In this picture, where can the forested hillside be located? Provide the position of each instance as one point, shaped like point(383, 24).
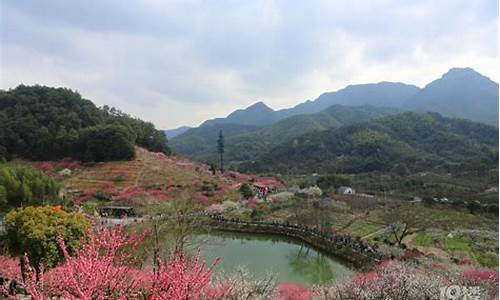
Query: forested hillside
point(412, 141)
point(245, 142)
point(44, 123)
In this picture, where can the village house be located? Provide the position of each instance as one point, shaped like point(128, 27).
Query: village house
point(65, 172)
point(266, 185)
point(345, 190)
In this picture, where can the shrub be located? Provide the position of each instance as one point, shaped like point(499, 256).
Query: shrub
point(332, 181)
point(33, 230)
point(246, 190)
point(215, 209)
point(230, 205)
point(312, 192)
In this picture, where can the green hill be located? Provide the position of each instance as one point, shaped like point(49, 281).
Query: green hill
point(44, 123)
point(417, 141)
point(244, 142)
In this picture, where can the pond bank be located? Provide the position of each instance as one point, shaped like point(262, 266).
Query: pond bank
point(360, 256)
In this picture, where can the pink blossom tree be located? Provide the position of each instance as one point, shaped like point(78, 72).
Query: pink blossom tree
point(104, 268)
point(289, 291)
point(10, 272)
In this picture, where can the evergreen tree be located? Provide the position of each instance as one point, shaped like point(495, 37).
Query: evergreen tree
point(20, 186)
point(220, 149)
point(3, 195)
point(246, 190)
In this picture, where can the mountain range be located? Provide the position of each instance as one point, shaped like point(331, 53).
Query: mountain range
point(258, 129)
point(461, 92)
point(384, 94)
point(245, 142)
point(171, 133)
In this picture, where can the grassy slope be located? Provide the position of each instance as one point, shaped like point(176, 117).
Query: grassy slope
point(177, 176)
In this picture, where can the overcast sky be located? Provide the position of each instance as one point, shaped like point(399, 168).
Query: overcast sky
point(181, 62)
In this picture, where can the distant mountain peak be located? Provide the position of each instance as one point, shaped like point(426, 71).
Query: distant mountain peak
point(259, 106)
point(460, 93)
point(461, 72)
point(171, 133)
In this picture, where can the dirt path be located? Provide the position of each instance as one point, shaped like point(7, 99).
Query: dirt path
point(145, 160)
point(382, 230)
point(438, 252)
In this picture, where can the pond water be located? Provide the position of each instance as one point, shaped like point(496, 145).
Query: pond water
point(289, 260)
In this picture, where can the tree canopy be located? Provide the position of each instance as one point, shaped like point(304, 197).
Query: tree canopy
point(21, 186)
point(45, 123)
point(246, 190)
point(34, 231)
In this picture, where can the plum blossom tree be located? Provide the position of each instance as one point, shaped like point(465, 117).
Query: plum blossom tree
point(288, 291)
point(10, 272)
point(181, 278)
point(104, 269)
point(101, 269)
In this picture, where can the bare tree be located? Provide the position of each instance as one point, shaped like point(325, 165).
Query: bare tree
point(178, 224)
point(402, 221)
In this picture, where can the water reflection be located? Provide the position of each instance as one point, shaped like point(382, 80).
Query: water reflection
point(311, 264)
point(289, 260)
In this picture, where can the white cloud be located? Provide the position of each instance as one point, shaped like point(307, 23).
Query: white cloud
point(181, 62)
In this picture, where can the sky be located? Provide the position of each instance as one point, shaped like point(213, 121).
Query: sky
point(181, 62)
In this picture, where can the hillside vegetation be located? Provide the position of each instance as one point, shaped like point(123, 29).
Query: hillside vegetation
point(245, 142)
point(24, 186)
point(44, 123)
point(413, 141)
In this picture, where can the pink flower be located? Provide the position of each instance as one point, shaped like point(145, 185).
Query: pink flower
point(290, 291)
point(477, 276)
point(9, 268)
point(182, 278)
point(104, 269)
point(129, 193)
point(44, 166)
point(201, 199)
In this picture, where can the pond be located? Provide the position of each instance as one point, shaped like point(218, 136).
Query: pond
point(289, 260)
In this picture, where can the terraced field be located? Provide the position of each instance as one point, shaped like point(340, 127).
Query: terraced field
point(146, 170)
point(146, 182)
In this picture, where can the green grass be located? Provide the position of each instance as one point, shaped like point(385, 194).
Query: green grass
point(484, 261)
point(90, 207)
point(458, 244)
point(448, 219)
point(424, 240)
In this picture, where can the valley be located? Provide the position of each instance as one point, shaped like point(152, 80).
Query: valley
point(331, 195)
point(249, 150)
